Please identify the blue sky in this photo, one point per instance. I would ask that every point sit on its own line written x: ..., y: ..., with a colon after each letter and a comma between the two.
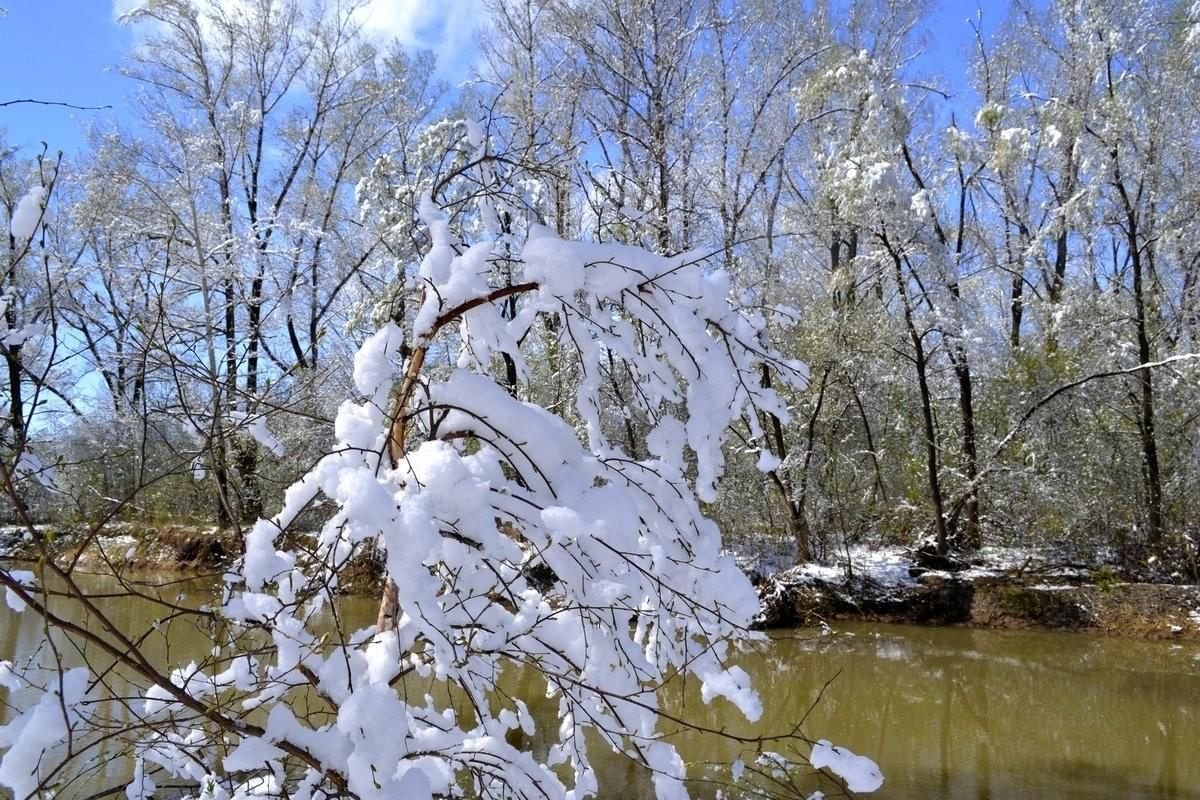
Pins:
x: 64, y: 50
x: 68, y: 51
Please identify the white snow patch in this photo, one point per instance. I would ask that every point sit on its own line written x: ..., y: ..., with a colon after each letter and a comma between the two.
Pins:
x: 28, y: 214
x: 256, y: 427
x: 768, y: 461
x: 734, y: 685
x: 889, y: 566
x: 860, y: 773
x: 141, y: 786
x: 23, y: 577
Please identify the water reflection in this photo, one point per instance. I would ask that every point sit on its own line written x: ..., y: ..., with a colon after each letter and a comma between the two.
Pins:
x: 949, y: 714
x: 955, y: 713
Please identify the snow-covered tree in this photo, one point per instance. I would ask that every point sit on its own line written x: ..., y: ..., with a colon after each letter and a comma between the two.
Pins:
x: 262, y: 116
x: 512, y: 541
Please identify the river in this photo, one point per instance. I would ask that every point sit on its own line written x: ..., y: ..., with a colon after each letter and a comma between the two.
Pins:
x: 948, y: 713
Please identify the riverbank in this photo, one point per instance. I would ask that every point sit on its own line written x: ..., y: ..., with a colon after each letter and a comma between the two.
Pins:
x: 179, y: 549
x: 135, y: 546
x: 999, y: 590
x: 1004, y: 589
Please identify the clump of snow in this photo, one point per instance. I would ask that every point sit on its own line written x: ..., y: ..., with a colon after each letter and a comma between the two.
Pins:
x: 734, y: 685
x: 28, y: 214
x: 768, y: 461
x: 256, y: 427
x: 141, y: 787
x: 1052, y: 135
x: 9, y: 679
x: 20, y: 336
x: 27, y: 738
x: 374, y: 363
x: 920, y: 205
x: 14, y: 601
x: 860, y: 773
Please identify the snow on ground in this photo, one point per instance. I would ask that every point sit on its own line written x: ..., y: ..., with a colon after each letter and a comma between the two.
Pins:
x: 11, y: 537
x: 1052, y: 563
x: 890, y: 565
x: 887, y: 565
x: 117, y: 540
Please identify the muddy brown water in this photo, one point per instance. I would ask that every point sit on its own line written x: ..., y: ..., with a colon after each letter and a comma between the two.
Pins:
x: 948, y: 713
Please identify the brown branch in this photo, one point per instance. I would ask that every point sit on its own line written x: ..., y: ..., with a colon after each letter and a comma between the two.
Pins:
x: 398, y: 431
x: 490, y: 297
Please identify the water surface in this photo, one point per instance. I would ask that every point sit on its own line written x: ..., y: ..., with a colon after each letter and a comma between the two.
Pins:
x: 948, y: 713
x: 954, y: 713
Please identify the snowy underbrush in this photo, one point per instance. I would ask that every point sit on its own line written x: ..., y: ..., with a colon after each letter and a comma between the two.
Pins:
x: 11, y: 537
x: 760, y: 555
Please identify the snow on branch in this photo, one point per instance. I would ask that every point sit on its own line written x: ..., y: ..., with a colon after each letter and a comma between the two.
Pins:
x: 466, y: 488
x: 465, y: 491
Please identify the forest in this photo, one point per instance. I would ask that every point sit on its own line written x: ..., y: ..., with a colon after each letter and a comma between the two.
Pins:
x: 660, y: 282
x: 994, y: 288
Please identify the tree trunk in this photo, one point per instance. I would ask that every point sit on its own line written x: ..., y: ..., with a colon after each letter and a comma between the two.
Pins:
x: 1016, y: 312
x: 1152, y: 479
x: 248, y: 451
x: 16, y: 401
x: 931, y: 448
x: 796, y: 499
x: 226, y: 513
x: 972, y: 536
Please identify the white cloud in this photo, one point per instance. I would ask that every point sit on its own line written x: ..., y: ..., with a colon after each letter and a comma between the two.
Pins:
x: 447, y: 27
x: 124, y: 6
x: 399, y: 19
